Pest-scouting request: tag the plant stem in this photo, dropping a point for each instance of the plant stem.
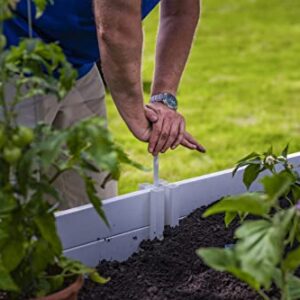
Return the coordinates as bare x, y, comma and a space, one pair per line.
263, 295
284, 293
58, 173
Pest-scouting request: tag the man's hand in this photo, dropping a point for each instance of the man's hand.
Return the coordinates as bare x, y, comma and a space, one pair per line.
168, 130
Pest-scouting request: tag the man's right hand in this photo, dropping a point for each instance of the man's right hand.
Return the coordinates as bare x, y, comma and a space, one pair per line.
151, 135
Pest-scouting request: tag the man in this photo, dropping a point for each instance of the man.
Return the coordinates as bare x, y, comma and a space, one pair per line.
113, 28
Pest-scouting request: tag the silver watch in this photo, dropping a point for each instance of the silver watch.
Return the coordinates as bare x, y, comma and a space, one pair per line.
165, 98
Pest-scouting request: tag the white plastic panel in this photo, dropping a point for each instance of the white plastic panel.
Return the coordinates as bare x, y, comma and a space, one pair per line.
82, 225
118, 248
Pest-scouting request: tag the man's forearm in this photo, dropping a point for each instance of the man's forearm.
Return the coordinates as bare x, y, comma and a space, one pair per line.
178, 23
120, 36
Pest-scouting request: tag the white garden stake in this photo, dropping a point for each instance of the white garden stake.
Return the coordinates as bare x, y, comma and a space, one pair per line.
156, 170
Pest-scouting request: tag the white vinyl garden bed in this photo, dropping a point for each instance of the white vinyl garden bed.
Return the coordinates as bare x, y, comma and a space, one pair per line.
142, 215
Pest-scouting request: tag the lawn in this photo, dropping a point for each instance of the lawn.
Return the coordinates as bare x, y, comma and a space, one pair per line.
240, 91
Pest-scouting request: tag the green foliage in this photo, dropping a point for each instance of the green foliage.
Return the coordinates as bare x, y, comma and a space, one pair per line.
52, 73
264, 251
255, 164
254, 203
41, 6
6, 8
31, 258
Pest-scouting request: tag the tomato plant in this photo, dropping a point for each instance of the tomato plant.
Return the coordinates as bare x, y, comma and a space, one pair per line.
29, 244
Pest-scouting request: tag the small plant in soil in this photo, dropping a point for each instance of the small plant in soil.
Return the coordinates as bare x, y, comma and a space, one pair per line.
31, 258
266, 251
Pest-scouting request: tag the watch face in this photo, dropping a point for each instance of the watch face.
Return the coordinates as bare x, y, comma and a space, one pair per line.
171, 100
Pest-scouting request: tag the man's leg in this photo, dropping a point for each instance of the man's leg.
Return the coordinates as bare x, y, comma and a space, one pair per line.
86, 99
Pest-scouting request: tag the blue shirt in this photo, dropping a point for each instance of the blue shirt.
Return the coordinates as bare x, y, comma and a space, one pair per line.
71, 23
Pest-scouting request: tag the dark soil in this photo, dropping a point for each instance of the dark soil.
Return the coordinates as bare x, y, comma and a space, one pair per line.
170, 269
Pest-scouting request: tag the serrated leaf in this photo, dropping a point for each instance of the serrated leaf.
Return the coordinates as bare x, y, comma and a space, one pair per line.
94, 199
250, 174
253, 203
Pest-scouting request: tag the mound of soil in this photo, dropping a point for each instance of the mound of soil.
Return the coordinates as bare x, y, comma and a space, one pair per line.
170, 269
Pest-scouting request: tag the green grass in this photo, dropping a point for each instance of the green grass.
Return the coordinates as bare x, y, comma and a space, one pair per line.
240, 91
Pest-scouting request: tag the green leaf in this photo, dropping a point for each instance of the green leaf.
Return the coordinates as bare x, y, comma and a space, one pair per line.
51, 147
250, 174
285, 151
253, 203
12, 253
259, 248
292, 260
229, 217
41, 257
56, 283
7, 203
278, 185
278, 278
95, 200
24, 169
42, 188
95, 276
251, 159
47, 228
4, 234
123, 158
293, 284
6, 281
75, 267
43, 287
295, 192
225, 260
217, 258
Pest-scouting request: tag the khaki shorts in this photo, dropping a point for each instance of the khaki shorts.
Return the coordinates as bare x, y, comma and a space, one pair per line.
86, 99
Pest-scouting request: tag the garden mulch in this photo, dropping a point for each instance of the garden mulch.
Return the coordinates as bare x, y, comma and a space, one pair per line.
170, 269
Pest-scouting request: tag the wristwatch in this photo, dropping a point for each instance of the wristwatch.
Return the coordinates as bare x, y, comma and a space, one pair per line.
165, 98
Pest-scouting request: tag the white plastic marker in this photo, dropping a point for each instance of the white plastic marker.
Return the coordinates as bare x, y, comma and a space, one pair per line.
156, 170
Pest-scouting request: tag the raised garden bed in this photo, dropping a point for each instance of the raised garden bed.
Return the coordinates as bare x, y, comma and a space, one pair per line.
170, 269
162, 269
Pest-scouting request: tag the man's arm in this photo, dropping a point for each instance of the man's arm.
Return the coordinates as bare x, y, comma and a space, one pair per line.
120, 37
178, 23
